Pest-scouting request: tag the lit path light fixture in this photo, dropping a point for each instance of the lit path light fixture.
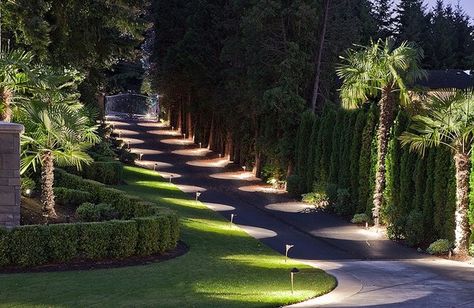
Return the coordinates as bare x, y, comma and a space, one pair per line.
198, 194
244, 168
200, 145
141, 156
184, 136
172, 127
232, 218
220, 155
292, 278
28, 192
171, 177
287, 249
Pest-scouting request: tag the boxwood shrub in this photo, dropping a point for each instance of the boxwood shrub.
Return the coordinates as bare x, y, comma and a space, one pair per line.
127, 206
73, 197
145, 229
4, 256
148, 235
108, 172
28, 245
33, 245
89, 212
63, 242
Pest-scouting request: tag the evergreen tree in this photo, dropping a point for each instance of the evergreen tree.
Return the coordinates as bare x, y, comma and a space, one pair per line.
411, 22
355, 153
382, 11
336, 147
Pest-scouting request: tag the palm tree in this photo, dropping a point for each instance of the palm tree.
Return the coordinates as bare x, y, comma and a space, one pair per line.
380, 70
54, 133
449, 121
14, 78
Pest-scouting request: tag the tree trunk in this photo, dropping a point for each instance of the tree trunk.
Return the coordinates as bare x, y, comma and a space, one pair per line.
229, 147
210, 143
6, 115
189, 121
179, 123
47, 180
290, 169
319, 58
462, 232
385, 123
257, 169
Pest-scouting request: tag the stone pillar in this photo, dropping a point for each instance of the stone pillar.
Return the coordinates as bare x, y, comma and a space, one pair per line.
10, 174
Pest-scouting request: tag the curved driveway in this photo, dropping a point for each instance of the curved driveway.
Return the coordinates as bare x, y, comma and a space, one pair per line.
371, 271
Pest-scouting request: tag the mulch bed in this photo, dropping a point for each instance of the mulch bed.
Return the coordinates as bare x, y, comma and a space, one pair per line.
80, 265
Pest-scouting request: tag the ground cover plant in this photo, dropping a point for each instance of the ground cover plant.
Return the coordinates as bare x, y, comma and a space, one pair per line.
223, 267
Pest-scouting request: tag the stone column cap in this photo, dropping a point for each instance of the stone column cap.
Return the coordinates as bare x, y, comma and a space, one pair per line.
6, 127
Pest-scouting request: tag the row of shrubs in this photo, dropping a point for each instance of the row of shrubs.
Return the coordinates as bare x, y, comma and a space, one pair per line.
335, 165
106, 170
41, 244
113, 225
75, 190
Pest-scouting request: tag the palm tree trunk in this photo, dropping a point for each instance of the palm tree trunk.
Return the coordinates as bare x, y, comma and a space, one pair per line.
47, 180
462, 232
385, 123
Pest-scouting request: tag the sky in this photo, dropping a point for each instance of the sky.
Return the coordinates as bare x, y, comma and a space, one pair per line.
468, 5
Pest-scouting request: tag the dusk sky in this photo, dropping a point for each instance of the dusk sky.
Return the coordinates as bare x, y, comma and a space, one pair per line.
468, 5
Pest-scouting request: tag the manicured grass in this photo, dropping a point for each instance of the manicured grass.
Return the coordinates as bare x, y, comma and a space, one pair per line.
224, 267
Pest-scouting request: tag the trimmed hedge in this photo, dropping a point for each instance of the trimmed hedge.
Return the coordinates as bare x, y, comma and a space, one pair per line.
33, 245
73, 197
127, 206
89, 212
135, 234
105, 170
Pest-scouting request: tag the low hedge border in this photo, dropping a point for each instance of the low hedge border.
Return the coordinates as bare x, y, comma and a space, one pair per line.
144, 229
106, 171
127, 206
34, 245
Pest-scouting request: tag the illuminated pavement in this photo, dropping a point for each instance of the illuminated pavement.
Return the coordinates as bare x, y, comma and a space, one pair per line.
371, 271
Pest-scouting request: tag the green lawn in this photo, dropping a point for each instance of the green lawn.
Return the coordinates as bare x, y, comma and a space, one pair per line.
224, 267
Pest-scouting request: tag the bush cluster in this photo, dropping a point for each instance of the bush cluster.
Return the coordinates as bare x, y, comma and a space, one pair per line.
126, 206
72, 197
106, 171
89, 212
99, 235
439, 247
39, 244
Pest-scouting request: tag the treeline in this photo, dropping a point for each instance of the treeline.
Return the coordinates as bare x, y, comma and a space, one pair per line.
92, 37
336, 154
237, 75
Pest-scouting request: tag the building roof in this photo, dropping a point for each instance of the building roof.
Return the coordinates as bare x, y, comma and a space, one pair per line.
446, 79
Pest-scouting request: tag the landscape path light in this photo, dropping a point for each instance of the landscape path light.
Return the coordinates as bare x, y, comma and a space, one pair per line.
28, 192
244, 168
141, 156
292, 278
232, 217
155, 166
198, 194
171, 177
200, 144
287, 249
